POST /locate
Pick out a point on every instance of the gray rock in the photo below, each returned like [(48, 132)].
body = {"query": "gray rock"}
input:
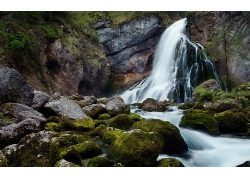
[(10, 153), (14, 88), (94, 110), (117, 106), (40, 98), (14, 132), (65, 107), (64, 163)]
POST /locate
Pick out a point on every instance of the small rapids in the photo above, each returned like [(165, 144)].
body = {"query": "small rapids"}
[(204, 150)]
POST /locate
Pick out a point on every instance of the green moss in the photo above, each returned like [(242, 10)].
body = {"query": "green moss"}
[(100, 161), (206, 96), (52, 126), (86, 124), (110, 134), (200, 120), (104, 116)]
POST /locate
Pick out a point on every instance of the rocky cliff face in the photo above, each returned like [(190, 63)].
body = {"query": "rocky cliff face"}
[(130, 48), (226, 37)]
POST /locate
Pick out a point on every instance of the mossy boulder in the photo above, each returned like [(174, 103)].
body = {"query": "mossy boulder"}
[(10, 153), (173, 141), (3, 160), (104, 116), (34, 150), (200, 120), (221, 105), (100, 161), (124, 121), (232, 121), (206, 90), (94, 110), (186, 105), (110, 134), (136, 148), (169, 162), (61, 142), (85, 124), (64, 163)]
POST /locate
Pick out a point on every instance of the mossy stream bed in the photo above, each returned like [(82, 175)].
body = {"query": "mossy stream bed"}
[(204, 150)]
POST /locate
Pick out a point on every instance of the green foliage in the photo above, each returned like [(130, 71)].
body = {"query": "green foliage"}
[(2, 116)]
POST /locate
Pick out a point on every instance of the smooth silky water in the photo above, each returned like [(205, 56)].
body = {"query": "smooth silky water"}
[(179, 65)]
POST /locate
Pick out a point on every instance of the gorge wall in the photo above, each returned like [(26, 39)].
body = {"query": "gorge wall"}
[(226, 38)]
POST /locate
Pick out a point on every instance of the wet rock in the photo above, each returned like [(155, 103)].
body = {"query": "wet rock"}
[(117, 106), (245, 164), (200, 120), (65, 107), (173, 141), (144, 148), (110, 134), (151, 104), (40, 99), (14, 88), (169, 162)]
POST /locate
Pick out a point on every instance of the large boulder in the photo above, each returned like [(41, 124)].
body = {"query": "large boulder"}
[(136, 148), (200, 120), (14, 88), (169, 162), (65, 107), (173, 141), (100, 161), (151, 104), (117, 106), (110, 134)]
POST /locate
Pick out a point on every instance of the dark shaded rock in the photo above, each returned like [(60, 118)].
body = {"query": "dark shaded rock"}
[(3, 160), (232, 121), (173, 141), (94, 110), (136, 148), (85, 124), (100, 161), (14, 88), (169, 162), (40, 99), (117, 106), (124, 121), (200, 120), (65, 107)]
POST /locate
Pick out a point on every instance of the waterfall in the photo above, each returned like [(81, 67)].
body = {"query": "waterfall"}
[(179, 65)]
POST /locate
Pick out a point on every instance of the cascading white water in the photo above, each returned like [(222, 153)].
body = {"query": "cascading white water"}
[(174, 75)]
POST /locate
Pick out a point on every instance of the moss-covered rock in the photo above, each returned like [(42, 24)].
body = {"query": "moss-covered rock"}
[(85, 124), (124, 121), (232, 121), (3, 160), (110, 134), (52, 126), (169, 162), (173, 141), (221, 105), (61, 142), (186, 105), (117, 106), (136, 148), (100, 161), (64, 163), (200, 120), (104, 116)]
